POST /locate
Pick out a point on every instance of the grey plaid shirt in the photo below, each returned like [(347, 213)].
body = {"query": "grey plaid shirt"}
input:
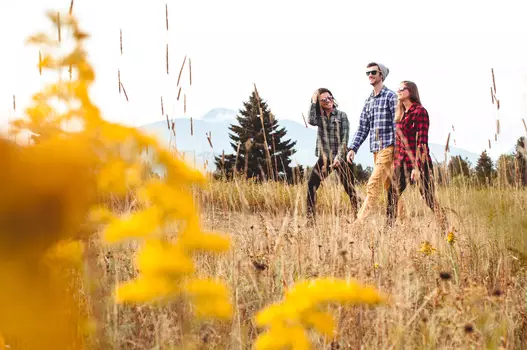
[(333, 133), (377, 120)]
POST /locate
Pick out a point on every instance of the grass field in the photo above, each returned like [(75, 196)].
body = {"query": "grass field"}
[(466, 293)]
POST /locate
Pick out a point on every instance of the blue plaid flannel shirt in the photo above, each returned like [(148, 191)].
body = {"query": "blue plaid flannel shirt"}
[(377, 120), (332, 135)]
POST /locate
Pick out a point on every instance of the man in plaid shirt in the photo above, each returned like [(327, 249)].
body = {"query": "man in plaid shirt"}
[(377, 121), (332, 140)]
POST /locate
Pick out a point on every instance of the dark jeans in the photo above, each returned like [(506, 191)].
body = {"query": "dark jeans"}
[(319, 173), (401, 177)]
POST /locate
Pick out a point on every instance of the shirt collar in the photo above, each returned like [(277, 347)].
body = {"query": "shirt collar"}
[(381, 93)]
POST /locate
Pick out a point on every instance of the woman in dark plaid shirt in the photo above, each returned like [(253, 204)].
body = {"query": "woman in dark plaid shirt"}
[(412, 161)]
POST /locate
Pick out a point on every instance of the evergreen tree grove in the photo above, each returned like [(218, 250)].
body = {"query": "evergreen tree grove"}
[(261, 150)]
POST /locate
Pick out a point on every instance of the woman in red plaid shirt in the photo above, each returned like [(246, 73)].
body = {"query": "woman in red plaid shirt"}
[(412, 161)]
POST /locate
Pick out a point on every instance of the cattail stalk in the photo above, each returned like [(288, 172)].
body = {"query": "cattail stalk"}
[(119, 79), (168, 122), (125, 94), (14, 103), (497, 126), (181, 70), (71, 7), (166, 15), (39, 62), (303, 117), (266, 144), (162, 108), (58, 26), (493, 80), (209, 138), (166, 58), (179, 93), (121, 41), (191, 127), (492, 94), (524, 125), (447, 145), (490, 146), (190, 71)]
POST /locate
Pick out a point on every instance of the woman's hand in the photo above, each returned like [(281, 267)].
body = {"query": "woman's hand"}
[(314, 98)]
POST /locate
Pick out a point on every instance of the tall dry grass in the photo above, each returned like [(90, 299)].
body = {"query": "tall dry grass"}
[(469, 293)]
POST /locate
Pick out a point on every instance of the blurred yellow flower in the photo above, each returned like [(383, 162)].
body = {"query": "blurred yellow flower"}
[(147, 289), (141, 224), (51, 199), (426, 248), (160, 258), (451, 238), (68, 253), (301, 310)]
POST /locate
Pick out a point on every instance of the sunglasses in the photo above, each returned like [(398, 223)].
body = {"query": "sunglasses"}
[(372, 72), (402, 89), (327, 99)]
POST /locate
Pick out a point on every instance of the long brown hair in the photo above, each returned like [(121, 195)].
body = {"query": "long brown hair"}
[(414, 97)]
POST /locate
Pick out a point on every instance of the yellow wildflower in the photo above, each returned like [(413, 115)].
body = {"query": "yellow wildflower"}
[(66, 252), (141, 224), (279, 337), (426, 248), (214, 308), (147, 289), (301, 307), (322, 322), (451, 237), (195, 240), (159, 258)]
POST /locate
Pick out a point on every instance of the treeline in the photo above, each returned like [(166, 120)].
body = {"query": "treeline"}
[(508, 170)]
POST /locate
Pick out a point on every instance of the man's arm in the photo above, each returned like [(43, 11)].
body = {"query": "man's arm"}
[(392, 104), (313, 118), (362, 131)]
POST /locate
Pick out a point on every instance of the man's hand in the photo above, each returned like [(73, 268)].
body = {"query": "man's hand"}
[(414, 176), (314, 98), (350, 156), (336, 163)]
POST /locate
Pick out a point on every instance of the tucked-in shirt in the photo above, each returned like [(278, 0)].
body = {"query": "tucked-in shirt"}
[(377, 120), (332, 135), (411, 147)]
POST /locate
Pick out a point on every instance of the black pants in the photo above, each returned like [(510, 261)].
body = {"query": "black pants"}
[(401, 177), (320, 172)]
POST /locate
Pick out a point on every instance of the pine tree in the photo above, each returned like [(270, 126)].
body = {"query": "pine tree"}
[(459, 167), (261, 150), (484, 168)]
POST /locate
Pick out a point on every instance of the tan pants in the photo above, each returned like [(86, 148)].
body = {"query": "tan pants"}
[(380, 177)]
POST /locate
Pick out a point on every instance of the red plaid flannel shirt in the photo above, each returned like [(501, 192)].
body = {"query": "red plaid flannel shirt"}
[(412, 138)]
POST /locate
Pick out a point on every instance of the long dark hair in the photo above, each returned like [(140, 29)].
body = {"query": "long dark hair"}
[(414, 97)]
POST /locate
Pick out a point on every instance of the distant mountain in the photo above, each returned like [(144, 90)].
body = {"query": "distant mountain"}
[(197, 149)]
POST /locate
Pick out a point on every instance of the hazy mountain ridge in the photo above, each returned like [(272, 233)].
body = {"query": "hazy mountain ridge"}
[(217, 121)]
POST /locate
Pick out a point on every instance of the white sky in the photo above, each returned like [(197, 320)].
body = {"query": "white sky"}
[(289, 49)]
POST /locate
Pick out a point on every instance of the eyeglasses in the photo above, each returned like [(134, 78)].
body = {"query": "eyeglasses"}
[(402, 89), (327, 99), (372, 72)]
